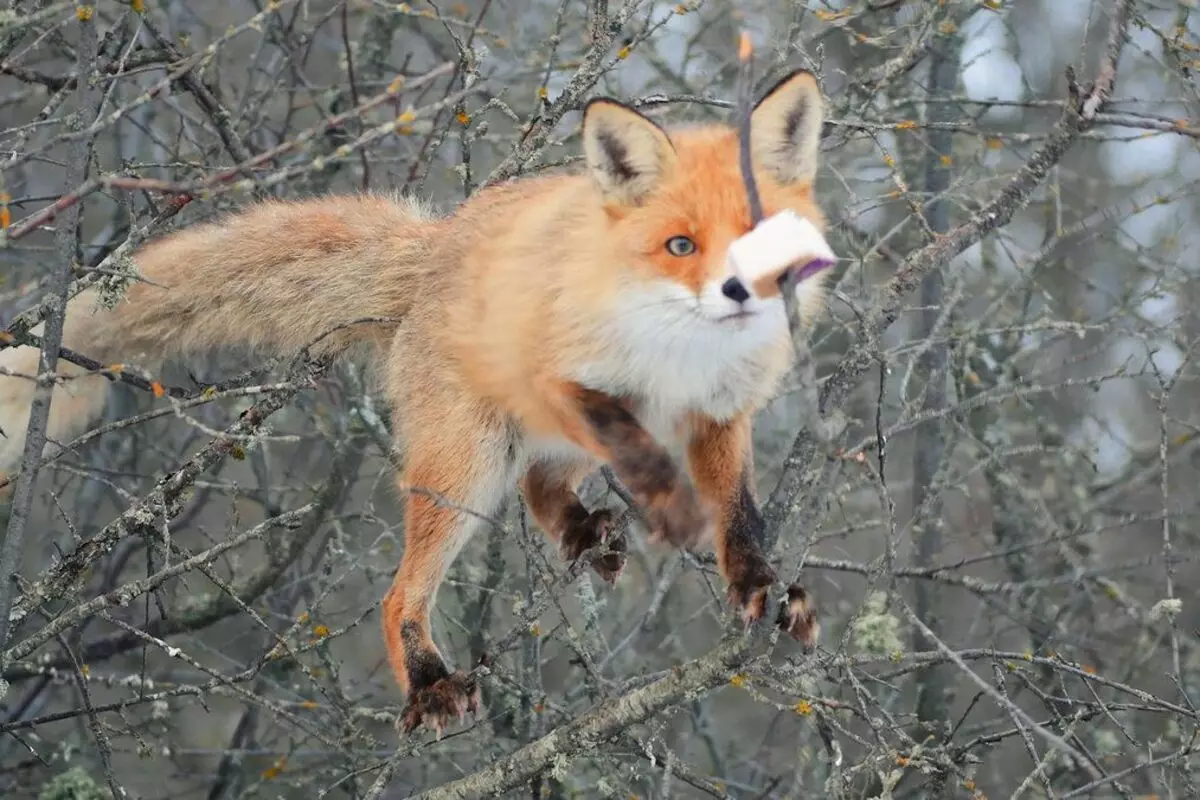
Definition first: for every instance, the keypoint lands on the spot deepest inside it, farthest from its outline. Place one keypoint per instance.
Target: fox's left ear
(785, 128)
(627, 153)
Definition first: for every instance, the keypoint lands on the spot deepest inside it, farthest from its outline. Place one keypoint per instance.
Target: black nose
(734, 290)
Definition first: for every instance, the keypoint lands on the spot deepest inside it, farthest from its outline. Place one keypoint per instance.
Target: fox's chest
(675, 364)
(665, 388)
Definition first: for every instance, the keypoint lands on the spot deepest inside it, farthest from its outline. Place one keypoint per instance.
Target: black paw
(798, 618)
(750, 581)
(440, 703)
(596, 529)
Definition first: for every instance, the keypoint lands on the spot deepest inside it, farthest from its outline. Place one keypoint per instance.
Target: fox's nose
(735, 291)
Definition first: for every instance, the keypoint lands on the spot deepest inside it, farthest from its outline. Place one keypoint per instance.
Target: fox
(549, 325)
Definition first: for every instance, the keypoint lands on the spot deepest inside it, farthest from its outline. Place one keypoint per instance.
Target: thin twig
(88, 97)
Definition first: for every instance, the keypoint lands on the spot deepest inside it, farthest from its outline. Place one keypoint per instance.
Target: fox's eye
(680, 246)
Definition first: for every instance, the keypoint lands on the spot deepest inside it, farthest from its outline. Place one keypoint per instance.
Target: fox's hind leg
(549, 487)
(458, 469)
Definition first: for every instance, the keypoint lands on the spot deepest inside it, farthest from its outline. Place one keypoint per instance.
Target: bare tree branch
(87, 105)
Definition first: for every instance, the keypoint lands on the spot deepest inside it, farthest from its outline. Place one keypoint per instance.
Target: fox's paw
(596, 529)
(440, 703)
(748, 589)
(798, 618)
(676, 517)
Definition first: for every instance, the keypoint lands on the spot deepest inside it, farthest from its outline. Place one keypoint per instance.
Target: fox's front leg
(721, 460)
(605, 426)
(456, 476)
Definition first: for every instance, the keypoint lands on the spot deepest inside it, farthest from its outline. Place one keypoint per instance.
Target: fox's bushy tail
(270, 279)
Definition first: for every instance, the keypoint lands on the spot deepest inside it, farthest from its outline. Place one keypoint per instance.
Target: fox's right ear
(785, 128)
(626, 152)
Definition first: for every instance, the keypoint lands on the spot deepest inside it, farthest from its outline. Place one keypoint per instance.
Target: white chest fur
(663, 350)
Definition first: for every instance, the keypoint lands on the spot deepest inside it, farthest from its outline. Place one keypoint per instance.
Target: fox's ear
(785, 128)
(626, 152)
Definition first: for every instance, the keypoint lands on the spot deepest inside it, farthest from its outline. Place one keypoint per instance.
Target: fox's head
(677, 200)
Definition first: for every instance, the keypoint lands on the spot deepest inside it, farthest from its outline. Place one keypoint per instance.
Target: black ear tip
(786, 79)
(608, 103)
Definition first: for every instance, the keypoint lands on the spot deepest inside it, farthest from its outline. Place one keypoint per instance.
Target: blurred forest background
(990, 489)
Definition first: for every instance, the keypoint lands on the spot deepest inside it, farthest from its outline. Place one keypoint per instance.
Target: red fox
(550, 325)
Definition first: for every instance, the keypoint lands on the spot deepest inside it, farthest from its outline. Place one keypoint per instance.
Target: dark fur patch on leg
(643, 464)
(646, 468)
(749, 574)
(424, 666)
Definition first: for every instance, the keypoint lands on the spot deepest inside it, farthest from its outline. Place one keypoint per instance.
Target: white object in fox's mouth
(775, 245)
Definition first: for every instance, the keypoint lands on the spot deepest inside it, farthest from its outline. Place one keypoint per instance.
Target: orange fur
(544, 327)
(719, 455)
(721, 459)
